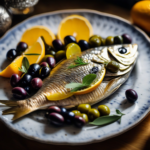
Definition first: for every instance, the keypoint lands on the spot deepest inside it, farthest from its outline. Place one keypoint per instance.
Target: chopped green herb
(78, 62)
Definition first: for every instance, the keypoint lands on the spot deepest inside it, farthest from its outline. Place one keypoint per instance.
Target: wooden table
(137, 138)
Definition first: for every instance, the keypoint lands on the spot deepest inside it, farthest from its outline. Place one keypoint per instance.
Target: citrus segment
(37, 48)
(72, 50)
(12, 68)
(93, 86)
(31, 35)
(140, 14)
(75, 25)
(58, 96)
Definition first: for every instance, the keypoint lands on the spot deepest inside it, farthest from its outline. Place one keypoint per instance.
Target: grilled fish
(54, 85)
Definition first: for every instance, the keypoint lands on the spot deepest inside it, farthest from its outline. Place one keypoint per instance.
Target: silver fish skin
(60, 76)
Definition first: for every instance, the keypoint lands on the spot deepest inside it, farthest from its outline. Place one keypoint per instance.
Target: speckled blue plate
(34, 126)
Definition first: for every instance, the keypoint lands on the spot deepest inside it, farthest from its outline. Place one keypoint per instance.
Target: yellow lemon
(37, 48)
(75, 25)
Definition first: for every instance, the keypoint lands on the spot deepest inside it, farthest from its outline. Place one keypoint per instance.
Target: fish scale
(61, 75)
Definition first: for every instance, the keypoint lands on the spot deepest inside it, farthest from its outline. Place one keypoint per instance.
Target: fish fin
(9, 111)
(16, 108)
(19, 112)
(8, 103)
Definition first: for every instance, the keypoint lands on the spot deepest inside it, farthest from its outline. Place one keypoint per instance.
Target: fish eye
(122, 50)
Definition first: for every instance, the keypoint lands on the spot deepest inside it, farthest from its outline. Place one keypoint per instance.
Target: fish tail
(17, 108)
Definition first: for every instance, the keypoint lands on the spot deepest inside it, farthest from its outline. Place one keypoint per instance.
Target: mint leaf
(73, 85)
(25, 65)
(78, 88)
(88, 79)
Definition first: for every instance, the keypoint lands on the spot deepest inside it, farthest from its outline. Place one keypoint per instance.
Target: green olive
(118, 40)
(85, 117)
(104, 110)
(76, 112)
(94, 41)
(110, 40)
(113, 66)
(60, 55)
(93, 114)
(84, 108)
(103, 42)
(52, 52)
(46, 56)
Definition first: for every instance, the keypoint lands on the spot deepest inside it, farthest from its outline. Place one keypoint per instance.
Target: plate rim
(30, 137)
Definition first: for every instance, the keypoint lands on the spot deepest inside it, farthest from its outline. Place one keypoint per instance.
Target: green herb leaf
(73, 85)
(78, 62)
(105, 120)
(118, 112)
(25, 65)
(78, 88)
(32, 54)
(87, 80)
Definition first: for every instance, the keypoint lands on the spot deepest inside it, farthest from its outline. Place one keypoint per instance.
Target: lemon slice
(72, 50)
(75, 25)
(37, 48)
(31, 35)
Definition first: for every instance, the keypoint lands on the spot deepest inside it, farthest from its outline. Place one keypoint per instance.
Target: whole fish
(54, 86)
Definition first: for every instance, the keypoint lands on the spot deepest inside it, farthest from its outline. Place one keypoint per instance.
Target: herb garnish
(32, 54)
(25, 65)
(78, 62)
(104, 120)
(86, 82)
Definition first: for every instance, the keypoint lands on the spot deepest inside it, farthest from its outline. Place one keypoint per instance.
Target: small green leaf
(73, 85)
(25, 63)
(32, 54)
(105, 120)
(87, 80)
(78, 88)
(118, 112)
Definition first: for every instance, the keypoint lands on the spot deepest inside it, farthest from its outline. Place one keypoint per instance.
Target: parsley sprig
(78, 62)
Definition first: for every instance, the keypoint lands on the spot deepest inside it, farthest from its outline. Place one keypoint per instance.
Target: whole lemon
(140, 14)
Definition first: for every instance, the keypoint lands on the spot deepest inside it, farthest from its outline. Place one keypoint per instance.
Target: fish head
(125, 55)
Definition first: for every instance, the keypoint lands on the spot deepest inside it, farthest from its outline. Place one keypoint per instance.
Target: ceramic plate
(34, 126)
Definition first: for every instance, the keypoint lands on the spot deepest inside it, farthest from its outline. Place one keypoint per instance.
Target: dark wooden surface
(137, 138)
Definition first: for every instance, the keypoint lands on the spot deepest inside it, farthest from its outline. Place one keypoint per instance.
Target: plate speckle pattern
(35, 126)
